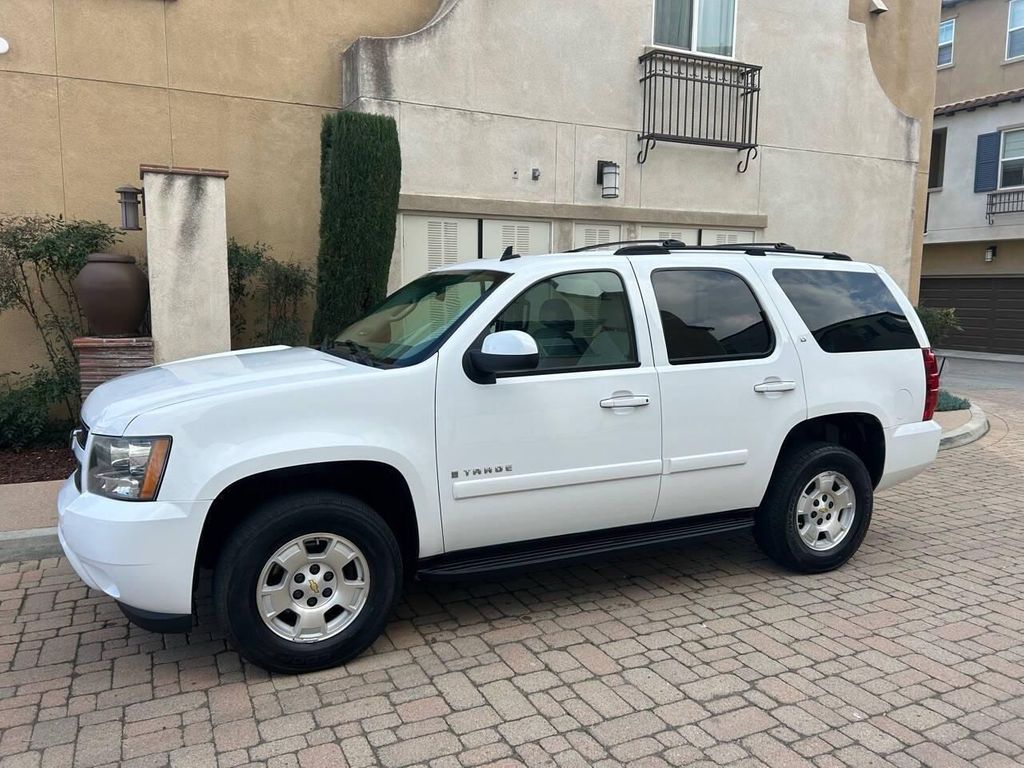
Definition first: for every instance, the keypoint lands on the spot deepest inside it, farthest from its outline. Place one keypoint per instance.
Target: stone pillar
(187, 261)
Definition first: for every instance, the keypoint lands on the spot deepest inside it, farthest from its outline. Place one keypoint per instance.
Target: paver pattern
(707, 654)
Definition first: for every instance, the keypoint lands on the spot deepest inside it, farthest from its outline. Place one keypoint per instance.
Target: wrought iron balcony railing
(1004, 202)
(692, 99)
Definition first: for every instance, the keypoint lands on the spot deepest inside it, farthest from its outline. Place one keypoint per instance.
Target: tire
(345, 525)
(784, 524)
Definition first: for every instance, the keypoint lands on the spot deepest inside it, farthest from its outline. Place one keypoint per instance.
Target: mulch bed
(34, 464)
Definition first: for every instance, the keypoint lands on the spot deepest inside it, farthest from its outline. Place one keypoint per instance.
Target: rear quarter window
(847, 311)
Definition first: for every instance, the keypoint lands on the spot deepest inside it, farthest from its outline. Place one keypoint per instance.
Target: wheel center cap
(314, 587)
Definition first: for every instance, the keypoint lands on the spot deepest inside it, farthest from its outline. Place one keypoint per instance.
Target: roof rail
(674, 244)
(638, 247)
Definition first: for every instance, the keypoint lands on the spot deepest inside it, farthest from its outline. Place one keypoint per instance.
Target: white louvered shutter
(682, 234)
(726, 236)
(595, 234)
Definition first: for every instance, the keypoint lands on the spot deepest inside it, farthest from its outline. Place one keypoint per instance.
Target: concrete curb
(975, 429)
(31, 544)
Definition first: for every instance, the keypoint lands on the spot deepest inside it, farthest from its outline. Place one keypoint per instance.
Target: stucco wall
(969, 259)
(91, 89)
(495, 85)
(979, 53)
(957, 212)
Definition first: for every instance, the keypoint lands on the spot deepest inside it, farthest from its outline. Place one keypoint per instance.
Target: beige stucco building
(505, 108)
(974, 244)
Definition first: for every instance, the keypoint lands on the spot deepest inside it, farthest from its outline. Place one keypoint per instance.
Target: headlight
(127, 467)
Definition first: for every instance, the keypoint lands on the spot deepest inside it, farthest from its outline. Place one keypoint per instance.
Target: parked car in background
(501, 414)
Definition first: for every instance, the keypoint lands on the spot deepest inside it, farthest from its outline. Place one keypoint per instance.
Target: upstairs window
(1011, 163)
(1015, 30)
(947, 31)
(705, 26)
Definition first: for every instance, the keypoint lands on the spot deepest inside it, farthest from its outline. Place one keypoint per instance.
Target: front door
(731, 382)
(572, 446)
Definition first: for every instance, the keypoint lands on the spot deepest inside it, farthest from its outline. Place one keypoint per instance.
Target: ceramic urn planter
(114, 294)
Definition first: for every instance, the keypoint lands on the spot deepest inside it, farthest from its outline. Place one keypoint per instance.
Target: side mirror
(505, 352)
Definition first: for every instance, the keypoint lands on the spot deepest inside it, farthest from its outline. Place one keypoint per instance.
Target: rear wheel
(817, 509)
(307, 582)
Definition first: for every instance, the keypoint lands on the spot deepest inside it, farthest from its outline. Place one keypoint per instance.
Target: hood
(112, 406)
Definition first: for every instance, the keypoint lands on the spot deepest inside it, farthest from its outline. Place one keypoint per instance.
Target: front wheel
(817, 509)
(307, 582)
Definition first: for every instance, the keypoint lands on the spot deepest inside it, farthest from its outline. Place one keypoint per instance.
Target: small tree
(39, 257)
(939, 323)
(360, 177)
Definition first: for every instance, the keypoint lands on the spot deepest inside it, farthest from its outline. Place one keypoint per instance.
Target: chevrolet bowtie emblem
(313, 587)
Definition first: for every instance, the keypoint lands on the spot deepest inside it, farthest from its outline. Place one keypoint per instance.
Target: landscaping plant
(360, 177)
(256, 276)
(938, 323)
(39, 257)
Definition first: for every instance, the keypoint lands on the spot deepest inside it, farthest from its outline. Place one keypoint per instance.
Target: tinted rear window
(847, 311)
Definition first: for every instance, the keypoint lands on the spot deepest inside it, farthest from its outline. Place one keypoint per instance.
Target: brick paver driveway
(912, 654)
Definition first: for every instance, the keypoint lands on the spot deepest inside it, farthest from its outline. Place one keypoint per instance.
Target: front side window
(413, 321)
(947, 31)
(1011, 166)
(847, 311)
(1015, 30)
(709, 315)
(579, 320)
(706, 26)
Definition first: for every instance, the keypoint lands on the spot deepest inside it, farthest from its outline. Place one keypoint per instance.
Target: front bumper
(909, 450)
(142, 554)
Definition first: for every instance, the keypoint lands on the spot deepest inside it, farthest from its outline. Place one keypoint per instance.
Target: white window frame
(1009, 29)
(693, 32)
(951, 43)
(1002, 143)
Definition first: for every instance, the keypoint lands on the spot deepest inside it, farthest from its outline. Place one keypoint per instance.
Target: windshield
(412, 322)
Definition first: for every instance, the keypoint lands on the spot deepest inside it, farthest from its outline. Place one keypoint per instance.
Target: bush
(243, 263)
(360, 177)
(253, 274)
(25, 419)
(938, 323)
(39, 257)
(948, 402)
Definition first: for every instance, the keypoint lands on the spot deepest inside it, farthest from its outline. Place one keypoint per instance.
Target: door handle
(626, 401)
(775, 386)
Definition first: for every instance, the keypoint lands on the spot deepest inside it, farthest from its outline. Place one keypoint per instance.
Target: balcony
(692, 99)
(1004, 202)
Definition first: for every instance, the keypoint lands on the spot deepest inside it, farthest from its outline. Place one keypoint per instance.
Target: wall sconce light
(4, 46)
(608, 178)
(990, 254)
(129, 198)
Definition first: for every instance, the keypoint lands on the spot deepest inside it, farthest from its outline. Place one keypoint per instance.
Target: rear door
(730, 379)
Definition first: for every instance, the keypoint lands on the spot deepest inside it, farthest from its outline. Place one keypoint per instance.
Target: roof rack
(639, 247)
(602, 246)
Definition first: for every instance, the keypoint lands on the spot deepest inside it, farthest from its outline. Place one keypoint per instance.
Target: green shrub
(256, 276)
(948, 402)
(938, 323)
(25, 407)
(39, 257)
(243, 263)
(360, 177)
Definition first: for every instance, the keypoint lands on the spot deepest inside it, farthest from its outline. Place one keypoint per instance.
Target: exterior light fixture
(128, 197)
(4, 46)
(990, 253)
(608, 178)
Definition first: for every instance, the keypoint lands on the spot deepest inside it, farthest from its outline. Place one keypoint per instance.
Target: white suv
(500, 414)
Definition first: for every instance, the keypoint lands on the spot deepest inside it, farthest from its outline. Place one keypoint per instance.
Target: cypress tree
(360, 176)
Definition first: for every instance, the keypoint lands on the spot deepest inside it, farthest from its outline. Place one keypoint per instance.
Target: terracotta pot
(114, 294)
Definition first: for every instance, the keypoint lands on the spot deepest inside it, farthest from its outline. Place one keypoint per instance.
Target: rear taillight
(931, 384)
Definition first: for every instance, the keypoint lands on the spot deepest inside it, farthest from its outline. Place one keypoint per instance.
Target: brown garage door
(991, 311)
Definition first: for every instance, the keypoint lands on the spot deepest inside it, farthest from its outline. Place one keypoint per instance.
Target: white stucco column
(187, 261)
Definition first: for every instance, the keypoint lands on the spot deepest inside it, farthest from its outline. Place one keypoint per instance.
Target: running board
(561, 550)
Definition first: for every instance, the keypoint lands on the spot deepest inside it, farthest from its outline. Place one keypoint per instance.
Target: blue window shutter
(986, 163)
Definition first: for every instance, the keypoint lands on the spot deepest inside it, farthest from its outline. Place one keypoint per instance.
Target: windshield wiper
(358, 352)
